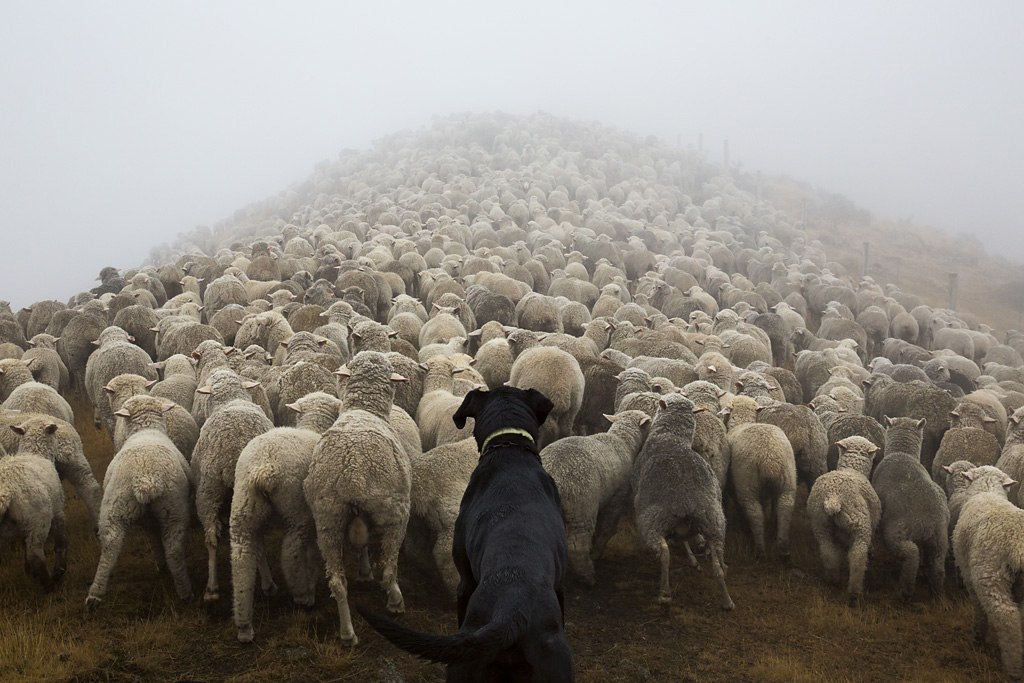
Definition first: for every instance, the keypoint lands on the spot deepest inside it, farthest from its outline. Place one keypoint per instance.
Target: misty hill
(470, 157)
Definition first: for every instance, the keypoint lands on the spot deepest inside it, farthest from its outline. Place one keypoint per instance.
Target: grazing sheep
(676, 492)
(845, 511)
(915, 515)
(593, 474)
(232, 421)
(359, 482)
(268, 480)
(763, 472)
(32, 501)
(989, 553)
(147, 475)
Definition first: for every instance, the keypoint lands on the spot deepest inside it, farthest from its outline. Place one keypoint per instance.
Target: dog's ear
(471, 405)
(540, 404)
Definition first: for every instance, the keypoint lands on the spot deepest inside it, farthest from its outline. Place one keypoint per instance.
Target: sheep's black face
(502, 408)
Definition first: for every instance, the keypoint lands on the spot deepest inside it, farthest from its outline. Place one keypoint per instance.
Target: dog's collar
(507, 431)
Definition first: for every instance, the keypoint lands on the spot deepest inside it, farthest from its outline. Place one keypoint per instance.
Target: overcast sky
(123, 124)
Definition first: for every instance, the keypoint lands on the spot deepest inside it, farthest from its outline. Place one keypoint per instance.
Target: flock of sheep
(301, 363)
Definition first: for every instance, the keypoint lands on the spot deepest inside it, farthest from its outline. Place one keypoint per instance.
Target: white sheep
(988, 544)
(147, 475)
(844, 511)
(359, 482)
(268, 480)
(32, 500)
(763, 471)
(557, 375)
(439, 479)
(233, 420)
(439, 403)
(593, 475)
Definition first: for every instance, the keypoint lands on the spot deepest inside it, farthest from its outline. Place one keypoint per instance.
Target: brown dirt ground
(787, 625)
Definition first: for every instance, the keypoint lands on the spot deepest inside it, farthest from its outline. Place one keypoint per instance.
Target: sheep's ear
(953, 413)
(50, 428)
(739, 385)
(150, 384)
(395, 377)
(1015, 419)
(712, 368)
(197, 355)
(948, 468)
(646, 419)
(887, 421)
(424, 366)
(471, 404)
(123, 413)
(109, 389)
(699, 409)
(921, 423)
(610, 418)
(294, 407)
(699, 342)
(30, 342)
(1008, 484)
(968, 475)
(343, 371)
(437, 307)
(231, 349)
(131, 339)
(321, 342)
(475, 333)
(988, 420)
(168, 407)
(95, 342)
(283, 343)
(842, 409)
(204, 390)
(662, 404)
(356, 335)
(392, 334)
(18, 429)
(250, 385)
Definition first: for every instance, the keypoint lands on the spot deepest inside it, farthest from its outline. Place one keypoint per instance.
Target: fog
(123, 125)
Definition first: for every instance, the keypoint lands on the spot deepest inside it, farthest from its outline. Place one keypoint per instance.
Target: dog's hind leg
(549, 658)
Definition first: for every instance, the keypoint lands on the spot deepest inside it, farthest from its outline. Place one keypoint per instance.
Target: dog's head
(501, 408)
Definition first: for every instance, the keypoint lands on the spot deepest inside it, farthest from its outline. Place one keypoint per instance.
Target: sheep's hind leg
(330, 534)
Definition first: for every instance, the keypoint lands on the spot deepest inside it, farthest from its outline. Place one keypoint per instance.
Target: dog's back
(511, 554)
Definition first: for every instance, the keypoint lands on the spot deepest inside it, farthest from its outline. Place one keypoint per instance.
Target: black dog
(510, 551)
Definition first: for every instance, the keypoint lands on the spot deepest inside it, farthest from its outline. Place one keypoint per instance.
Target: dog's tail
(458, 648)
